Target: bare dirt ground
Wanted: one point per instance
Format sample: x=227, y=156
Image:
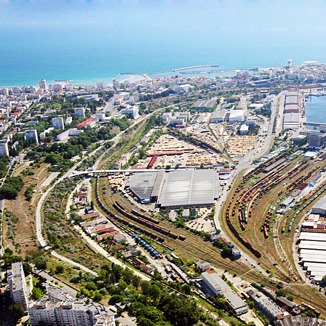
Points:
x=24, y=211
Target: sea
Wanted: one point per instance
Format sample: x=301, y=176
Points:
x=90, y=41
x=88, y=60
x=316, y=109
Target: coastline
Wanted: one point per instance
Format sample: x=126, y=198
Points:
x=204, y=70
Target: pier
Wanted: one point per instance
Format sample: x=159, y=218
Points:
x=320, y=125
x=170, y=70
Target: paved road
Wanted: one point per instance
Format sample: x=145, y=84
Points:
x=66, y=288
x=38, y=217
x=246, y=163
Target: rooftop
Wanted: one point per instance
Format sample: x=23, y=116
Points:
x=188, y=188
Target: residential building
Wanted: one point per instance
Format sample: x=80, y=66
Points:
x=31, y=135
x=58, y=123
x=45, y=133
x=42, y=84
x=315, y=140
x=131, y=111
x=68, y=121
x=115, y=83
x=80, y=112
x=68, y=133
x=101, y=85
x=266, y=304
x=57, y=88
x=17, y=285
x=4, y=148
x=57, y=309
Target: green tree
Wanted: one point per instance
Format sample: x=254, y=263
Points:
x=290, y=297
x=143, y=321
x=59, y=269
x=17, y=311
x=37, y=293
x=280, y=293
x=97, y=296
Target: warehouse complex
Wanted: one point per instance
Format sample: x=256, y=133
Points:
x=178, y=188
x=312, y=242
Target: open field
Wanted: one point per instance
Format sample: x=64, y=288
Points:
x=23, y=240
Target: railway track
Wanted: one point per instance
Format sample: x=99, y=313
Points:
x=191, y=244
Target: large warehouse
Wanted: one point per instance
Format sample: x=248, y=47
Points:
x=185, y=188
x=320, y=207
x=178, y=188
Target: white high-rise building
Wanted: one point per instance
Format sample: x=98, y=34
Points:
x=101, y=85
x=58, y=309
x=58, y=123
x=57, y=88
x=17, y=285
x=69, y=87
x=115, y=83
x=4, y=151
x=42, y=84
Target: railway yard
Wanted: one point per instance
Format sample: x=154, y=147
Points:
x=202, y=198
x=255, y=221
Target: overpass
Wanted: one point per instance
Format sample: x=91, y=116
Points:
x=95, y=172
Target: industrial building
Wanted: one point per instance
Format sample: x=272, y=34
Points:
x=320, y=207
x=291, y=120
x=218, y=116
x=312, y=244
x=142, y=185
x=291, y=112
x=317, y=139
x=204, y=105
x=213, y=285
x=185, y=188
x=236, y=116
x=178, y=188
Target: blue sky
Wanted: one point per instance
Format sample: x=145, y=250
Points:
x=196, y=15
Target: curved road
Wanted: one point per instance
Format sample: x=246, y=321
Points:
x=38, y=217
